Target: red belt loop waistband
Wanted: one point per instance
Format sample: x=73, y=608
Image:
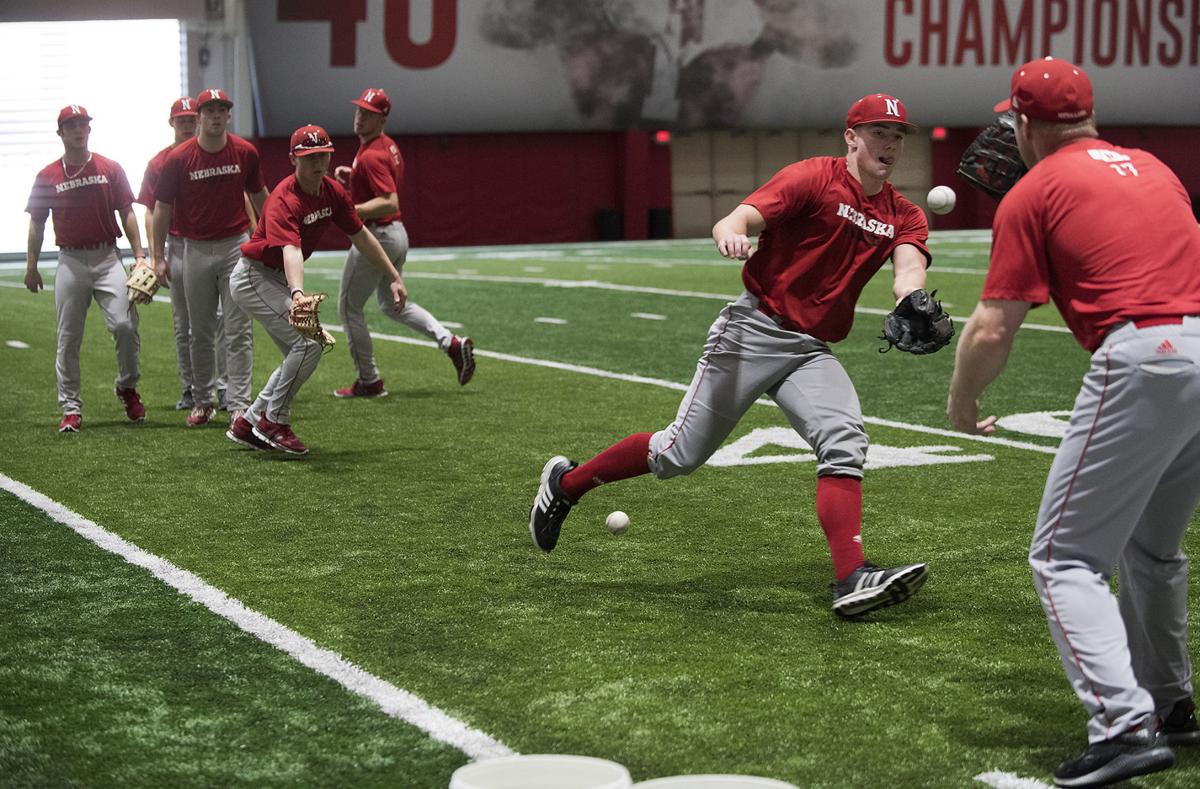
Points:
x=99, y=245
x=1145, y=323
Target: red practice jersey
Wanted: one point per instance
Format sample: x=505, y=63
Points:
x=207, y=188
x=1106, y=232
x=150, y=182
x=824, y=240
x=84, y=204
x=378, y=169
x=292, y=216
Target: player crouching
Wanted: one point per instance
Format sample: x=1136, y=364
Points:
x=268, y=283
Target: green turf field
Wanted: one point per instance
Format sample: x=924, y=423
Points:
x=701, y=641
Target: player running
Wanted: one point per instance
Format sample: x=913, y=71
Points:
x=83, y=190
x=375, y=180
x=271, y=272
x=1107, y=233
x=827, y=225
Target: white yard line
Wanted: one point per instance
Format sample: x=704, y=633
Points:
x=680, y=387
x=394, y=701
x=1002, y=780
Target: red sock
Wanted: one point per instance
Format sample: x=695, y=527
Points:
x=624, y=459
x=839, y=509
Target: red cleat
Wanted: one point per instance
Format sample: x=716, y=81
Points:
x=359, y=389
x=279, y=436
x=201, y=415
x=242, y=432
x=462, y=353
x=70, y=423
x=133, y=404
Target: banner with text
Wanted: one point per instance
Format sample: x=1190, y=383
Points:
x=521, y=65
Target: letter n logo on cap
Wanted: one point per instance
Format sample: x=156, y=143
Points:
x=214, y=95
x=892, y=107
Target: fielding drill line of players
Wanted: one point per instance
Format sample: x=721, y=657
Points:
x=227, y=250
x=1122, y=489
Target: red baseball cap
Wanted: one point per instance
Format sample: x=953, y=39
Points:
x=375, y=100
x=72, y=111
x=877, y=108
x=1050, y=89
x=310, y=139
x=213, y=94
x=183, y=107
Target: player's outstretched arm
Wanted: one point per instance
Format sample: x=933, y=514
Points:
x=908, y=271
x=368, y=246
x=980, y=358
x=33, y=251
x=732, y=234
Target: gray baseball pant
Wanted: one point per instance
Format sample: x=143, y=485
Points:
x=746, y=356
x=183, y=347
x=359, y=280
x=206, y=269
x=1122, y=490
x=262, y=292
x=84, y=274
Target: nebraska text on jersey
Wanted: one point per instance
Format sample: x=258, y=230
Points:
x=869, y=225
x=209, y=172
x=75, y=183
x=317, y=215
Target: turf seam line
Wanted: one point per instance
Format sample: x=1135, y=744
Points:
x=641, y=379
x=393, y=701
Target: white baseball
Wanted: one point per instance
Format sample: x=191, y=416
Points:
x=941, y=199
x=617, y=522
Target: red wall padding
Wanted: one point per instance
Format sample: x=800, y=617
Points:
x=1176, y=146
x=466, y=189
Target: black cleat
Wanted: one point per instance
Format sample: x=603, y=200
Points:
x=870, y=587
x=1180, y=727
x=1136, y=752
x=551, y=506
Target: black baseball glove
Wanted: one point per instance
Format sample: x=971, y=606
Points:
x=918, y=325
x=992, y=161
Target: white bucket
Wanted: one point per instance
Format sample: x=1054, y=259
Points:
x=714, y=782
x=542, y=772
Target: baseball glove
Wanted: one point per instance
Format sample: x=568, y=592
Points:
x=142, y=284
x=304, y=318
x=918, y=325
x=992, y=162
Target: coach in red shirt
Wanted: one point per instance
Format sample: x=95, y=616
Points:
x=1107, y=234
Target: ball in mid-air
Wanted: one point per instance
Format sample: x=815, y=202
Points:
x=940, y=199
x=617, y=522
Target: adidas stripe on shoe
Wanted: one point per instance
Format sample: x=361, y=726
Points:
x=869, y=588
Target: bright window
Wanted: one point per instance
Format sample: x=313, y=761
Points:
x=126, y=73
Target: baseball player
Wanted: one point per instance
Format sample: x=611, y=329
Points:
x=182, y=119
x=375, y=180
x=83, y=190
x=201, y=193
x=270, y=275
x=827, y=225
x=1107, y=233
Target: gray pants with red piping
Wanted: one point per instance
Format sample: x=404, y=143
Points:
x=1122, y=491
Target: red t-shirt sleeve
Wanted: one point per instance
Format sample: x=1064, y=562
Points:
x=40, y=199
x=167, y=187
x=344, y=215
x=913, y=229
x=254, y=179
x=1019, y=269
x=122, y=194
x=789, y=191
